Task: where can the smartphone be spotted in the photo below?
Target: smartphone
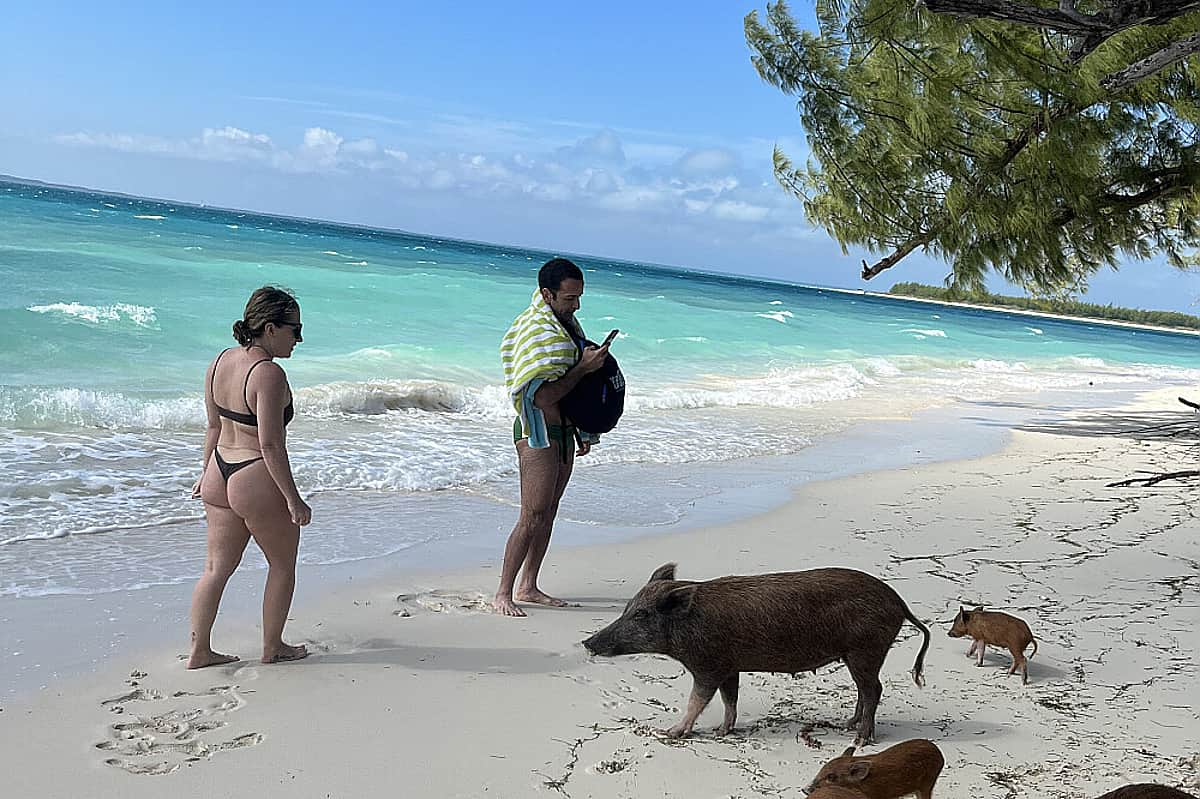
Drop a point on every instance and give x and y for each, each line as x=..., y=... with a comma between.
x=609, y=338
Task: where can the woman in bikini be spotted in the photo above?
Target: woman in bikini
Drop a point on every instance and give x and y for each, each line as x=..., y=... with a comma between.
x=247, y=483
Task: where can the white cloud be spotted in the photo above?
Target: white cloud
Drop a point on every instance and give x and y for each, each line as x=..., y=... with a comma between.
x=706, y=186
x=232, y=144
x=319, y=150
x=710, y=161
x=440, y=179
x=124, y=142
x=738, y=211
x=236, y=136
x=364, y=148
x=604, y=148
x=601, y=182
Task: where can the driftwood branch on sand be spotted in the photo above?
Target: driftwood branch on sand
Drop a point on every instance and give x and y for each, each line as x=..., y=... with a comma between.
x=1155, y=478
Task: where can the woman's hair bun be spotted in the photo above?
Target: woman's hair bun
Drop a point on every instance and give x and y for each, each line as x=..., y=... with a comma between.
x=241, y=332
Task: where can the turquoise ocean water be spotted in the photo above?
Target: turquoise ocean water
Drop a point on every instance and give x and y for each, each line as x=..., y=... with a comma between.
x=111, y=308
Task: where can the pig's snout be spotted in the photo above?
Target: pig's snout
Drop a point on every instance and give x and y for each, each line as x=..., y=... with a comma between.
x=603, y=644
x=599, y=644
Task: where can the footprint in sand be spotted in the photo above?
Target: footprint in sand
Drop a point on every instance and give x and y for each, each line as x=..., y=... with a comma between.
x=170, y=731
x=444, y=601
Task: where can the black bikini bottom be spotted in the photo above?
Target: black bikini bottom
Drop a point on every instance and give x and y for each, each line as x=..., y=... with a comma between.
x=227, y=469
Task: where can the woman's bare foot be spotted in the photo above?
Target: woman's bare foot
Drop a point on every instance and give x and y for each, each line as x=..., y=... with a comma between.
x=539, y=597
x=503, y=604
x=285, y=653
x=200, y=660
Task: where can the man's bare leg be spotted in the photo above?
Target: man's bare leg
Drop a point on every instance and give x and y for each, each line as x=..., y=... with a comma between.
x=527, y=587
x=539, y=481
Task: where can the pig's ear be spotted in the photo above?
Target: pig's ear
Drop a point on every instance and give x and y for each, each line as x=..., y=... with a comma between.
x=857, y=772
x=677, y=601
x=849, y=752
x=664, y=572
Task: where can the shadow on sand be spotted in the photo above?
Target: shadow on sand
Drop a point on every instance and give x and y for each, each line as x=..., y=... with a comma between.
x=514, y=660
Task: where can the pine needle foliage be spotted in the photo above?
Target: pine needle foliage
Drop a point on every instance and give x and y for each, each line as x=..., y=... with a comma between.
x=993, y=144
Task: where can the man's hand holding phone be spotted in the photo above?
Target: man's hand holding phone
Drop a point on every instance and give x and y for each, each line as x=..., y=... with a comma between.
x=593, y=357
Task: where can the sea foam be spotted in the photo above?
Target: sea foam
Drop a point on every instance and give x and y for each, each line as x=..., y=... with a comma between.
x=140, y=315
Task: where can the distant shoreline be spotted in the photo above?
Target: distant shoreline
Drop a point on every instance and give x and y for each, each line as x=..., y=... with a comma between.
x=1017, y=311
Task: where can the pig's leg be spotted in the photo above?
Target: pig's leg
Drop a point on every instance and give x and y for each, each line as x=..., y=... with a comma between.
x=982, y=649
x=1019, y=662
x=974, y=646
x=864, y=668
x=701, y=696
x=729, y=695
x=857, y=717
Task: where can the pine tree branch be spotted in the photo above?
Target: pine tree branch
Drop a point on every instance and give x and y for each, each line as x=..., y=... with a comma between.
x=1175, y=182
x=1140, y=70
x=1091, y=30
x=900, y=253
x=1068, y=21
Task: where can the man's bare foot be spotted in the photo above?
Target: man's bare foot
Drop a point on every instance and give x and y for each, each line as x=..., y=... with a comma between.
x=200, y=660
x=285, y=653
x=538, y=597
x=504, y=605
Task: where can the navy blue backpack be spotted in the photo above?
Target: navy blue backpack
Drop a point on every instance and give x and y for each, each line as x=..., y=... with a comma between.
x=598, y=400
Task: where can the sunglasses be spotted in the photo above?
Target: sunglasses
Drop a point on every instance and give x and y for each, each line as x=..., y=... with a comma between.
x=295, y=326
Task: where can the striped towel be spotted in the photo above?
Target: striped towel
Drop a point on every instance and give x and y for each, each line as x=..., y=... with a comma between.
x=536, y=347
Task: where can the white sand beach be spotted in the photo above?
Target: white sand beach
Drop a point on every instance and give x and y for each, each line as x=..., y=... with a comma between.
x=417, y=689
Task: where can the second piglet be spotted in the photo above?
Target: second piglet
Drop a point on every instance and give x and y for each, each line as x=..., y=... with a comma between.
x=787, y=622
x=997, y=629
x=911, y=767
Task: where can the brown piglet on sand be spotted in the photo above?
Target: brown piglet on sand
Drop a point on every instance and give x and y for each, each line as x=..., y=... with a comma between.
x=907, y=768
x=1146, y=790
x=787, y=622
x=998, y=629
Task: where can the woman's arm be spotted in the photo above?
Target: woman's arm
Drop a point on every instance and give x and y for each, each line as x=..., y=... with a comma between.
x=212, y=431
x=269, y=387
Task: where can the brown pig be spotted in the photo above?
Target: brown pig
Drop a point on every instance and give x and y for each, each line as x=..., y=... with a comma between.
x=998, y=629
x=787, y=622
x=1146, y=790
x=906, y=768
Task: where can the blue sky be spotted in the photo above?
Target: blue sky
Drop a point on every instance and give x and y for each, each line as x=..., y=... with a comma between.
x=629, y=130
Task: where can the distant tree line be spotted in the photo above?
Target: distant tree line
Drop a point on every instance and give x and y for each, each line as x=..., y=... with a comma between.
x=1064, y=307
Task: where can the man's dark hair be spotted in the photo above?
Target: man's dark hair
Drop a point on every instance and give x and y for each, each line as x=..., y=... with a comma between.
x=555, y=271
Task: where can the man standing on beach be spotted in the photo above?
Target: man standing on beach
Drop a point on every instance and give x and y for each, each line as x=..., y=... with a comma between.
x=545, y=355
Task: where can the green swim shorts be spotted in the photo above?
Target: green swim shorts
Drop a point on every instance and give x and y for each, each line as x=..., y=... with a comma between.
x=564, y=434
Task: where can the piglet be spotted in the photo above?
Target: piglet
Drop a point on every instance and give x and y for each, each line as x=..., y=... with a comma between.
x=906, y=768
x=785, y=622
x=1146, y=790
x=998, y=629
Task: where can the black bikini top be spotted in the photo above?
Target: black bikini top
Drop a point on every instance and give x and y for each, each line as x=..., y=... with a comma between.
x=245, y=418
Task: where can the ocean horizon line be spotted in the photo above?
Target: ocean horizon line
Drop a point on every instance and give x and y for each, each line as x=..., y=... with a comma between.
x=396, y=231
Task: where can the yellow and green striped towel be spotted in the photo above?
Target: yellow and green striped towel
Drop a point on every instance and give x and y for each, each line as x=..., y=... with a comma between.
x=536, y=347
